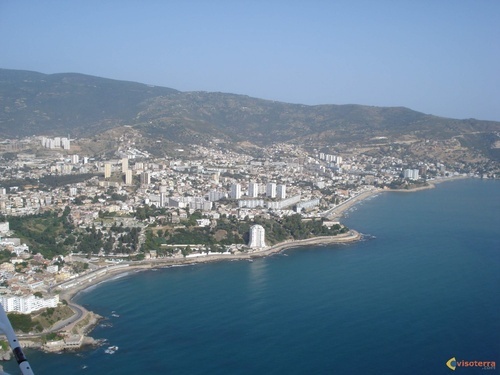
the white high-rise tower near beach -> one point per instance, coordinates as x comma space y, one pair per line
257, 236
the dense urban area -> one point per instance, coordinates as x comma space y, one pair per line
67, 214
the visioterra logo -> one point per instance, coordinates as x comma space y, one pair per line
485, 365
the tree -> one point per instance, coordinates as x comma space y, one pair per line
78, 201
186, 250
70, 240
23, 322
108, 245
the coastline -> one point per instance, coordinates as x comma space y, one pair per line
337, 212
70, 293
431, 184
86, 282
113, 272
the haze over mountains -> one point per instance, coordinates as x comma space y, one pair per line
83, 106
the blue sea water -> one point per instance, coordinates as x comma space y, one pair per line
422, 287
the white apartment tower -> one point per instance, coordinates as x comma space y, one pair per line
257, 236
214, 195
271, 190
412, 174
235, 191
281, 191
124, 165
65, 143
128, 177
107, 170
253, 190
145, 178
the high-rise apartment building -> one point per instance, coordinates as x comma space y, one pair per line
145, 178
281, 191
412, 174
253, 190
107, 170
65, 143
214, 195
128, 177
257, 236
124, 165
271, 190
235, 191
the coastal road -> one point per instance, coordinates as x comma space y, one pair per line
345, 205
66, 324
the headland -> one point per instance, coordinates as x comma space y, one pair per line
83, 320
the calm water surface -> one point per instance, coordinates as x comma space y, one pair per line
421, 288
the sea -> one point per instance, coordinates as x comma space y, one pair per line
421, 288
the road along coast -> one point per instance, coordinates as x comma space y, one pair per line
69, 290
84, 282
338, 211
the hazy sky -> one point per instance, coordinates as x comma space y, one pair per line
438, 56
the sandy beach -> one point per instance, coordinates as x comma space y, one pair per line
337, 212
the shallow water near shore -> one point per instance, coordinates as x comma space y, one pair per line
420, 289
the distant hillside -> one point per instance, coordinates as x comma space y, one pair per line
82, 105
35, 103
244, 118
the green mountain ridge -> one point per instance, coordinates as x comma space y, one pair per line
57, 104
36, 103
